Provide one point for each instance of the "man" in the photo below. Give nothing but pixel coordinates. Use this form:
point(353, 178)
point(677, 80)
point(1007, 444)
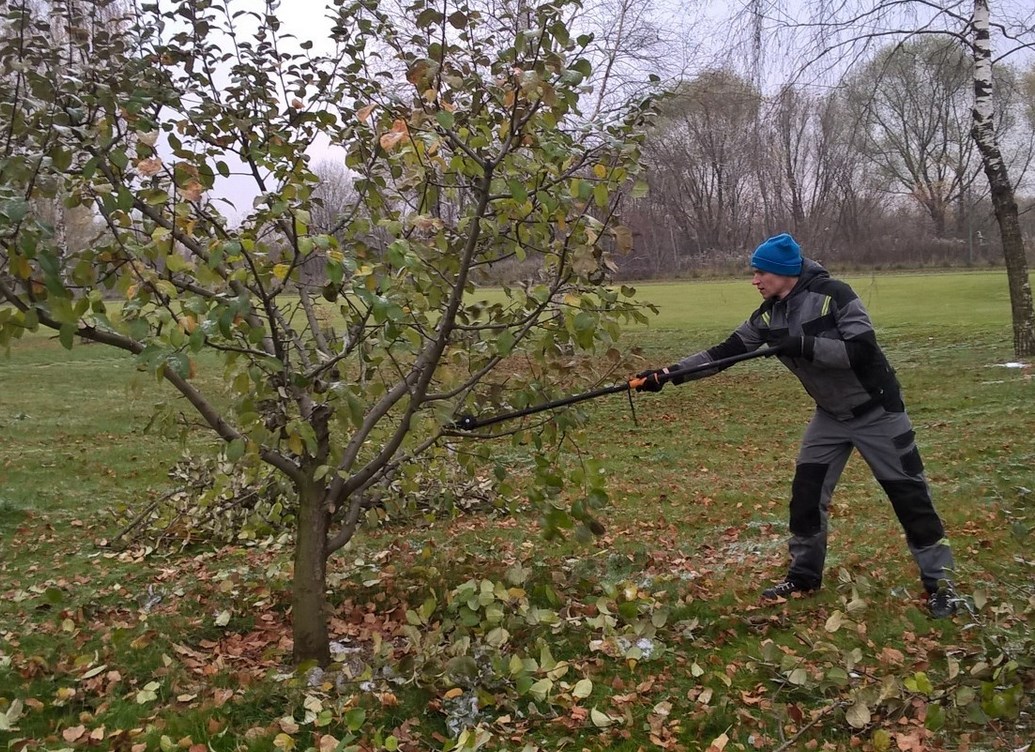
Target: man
point(819, 329)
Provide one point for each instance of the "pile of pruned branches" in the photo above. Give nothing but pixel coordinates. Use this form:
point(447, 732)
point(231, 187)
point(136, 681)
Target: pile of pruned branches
point(217, 501)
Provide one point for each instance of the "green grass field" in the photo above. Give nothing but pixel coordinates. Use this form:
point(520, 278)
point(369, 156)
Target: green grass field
point(650, 636)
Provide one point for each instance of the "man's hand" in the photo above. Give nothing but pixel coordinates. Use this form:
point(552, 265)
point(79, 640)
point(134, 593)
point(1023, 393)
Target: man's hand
point(652, 380)
point(797, 347)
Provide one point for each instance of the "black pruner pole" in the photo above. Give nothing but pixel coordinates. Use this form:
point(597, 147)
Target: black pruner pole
point(469, 422)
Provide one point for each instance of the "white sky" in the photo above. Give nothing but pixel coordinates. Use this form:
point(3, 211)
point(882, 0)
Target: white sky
point(705, 24)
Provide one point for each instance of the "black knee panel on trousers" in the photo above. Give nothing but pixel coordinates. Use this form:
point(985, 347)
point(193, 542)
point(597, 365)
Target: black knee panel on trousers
point(806, 493)
point(915, 511)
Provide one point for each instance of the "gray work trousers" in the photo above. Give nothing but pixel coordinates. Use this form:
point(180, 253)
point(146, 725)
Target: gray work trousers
point(886, 441)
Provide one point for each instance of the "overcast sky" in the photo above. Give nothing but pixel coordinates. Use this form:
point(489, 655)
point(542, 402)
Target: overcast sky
point(710, 35)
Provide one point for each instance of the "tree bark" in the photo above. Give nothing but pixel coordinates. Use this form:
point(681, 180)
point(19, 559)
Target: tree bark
point(1003, 199)
point(309, 600)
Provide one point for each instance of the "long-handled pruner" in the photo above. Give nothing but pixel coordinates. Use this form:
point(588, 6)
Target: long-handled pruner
point(469, 422)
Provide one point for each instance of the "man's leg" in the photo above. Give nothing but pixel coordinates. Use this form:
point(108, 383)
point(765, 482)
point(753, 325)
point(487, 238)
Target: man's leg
point(824, 451)
point(887, 443)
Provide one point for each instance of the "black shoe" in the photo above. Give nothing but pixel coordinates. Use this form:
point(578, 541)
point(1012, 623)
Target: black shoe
point(943, 602)
point(784, 590)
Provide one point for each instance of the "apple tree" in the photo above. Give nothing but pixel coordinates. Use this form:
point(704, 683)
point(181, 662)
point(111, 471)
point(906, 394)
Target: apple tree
point(335, 355)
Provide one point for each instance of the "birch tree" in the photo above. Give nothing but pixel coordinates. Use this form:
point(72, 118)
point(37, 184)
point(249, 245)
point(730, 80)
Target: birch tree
point(1002, 190)
point(836, 36)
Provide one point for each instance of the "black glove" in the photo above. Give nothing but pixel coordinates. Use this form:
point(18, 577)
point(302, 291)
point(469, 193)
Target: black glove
point(652, 380)
point(797, 347)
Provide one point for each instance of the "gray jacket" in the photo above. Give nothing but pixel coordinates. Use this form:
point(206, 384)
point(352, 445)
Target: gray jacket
point(847, 374)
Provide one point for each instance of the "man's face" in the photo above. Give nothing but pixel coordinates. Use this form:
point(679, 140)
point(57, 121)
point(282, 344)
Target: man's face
point(771, 285)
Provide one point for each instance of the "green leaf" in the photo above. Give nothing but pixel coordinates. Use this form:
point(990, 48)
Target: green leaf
point(518, 191)
point(355, 718)
point(14, 210)
point(235, 450)
point(66, 335)
point(583, 66)
point(505, 342)
point(445, 119)
point(935, 719)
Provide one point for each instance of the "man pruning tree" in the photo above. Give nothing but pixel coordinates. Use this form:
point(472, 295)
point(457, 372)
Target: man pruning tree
point(820, 330)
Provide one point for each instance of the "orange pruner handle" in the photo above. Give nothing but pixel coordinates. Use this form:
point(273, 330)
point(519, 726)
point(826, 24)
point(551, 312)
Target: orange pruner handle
point(637, 382)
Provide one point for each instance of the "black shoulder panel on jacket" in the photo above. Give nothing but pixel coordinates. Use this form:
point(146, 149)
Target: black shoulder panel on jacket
point(841, 292)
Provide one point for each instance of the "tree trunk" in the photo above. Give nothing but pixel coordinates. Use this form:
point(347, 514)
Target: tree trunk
point(309, 600)
point(983, 132)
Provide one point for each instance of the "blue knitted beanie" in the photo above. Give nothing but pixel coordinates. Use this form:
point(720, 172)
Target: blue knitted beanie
point(779, 254)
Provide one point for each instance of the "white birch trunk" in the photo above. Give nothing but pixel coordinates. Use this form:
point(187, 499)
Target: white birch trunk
point(1003, 200)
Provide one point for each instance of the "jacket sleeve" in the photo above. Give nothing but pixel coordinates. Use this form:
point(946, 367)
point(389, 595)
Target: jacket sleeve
point(852, 343)
point(745, 338)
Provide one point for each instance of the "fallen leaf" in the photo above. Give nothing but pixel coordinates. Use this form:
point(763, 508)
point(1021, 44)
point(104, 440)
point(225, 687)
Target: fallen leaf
point(858, 716)
point(288, 725)
point(583, 689)
point(719, 743)
point(600, 720)
point(834, 622)
point(73, 733)
point(891, 656)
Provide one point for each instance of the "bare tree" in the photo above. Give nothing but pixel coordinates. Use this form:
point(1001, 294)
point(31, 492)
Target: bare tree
point(913, 103)
point(701, 157)
point(842, 33)
point(812, 174)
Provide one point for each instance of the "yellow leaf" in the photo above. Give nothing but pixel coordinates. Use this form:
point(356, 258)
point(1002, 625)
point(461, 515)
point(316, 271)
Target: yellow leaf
point(280, 271)
point(397, 134)
point(149, 166)
point(600, 171)
point(834, 622)
point(390, 140)
point(583, 689)
point(600, 720)
point(623, 238)
point(363, 113)
point(283, 741)
point(192, 190)
point(881, 740)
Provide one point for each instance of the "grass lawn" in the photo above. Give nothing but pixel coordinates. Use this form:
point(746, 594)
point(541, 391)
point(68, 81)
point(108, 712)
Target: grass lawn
point(649, 636)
